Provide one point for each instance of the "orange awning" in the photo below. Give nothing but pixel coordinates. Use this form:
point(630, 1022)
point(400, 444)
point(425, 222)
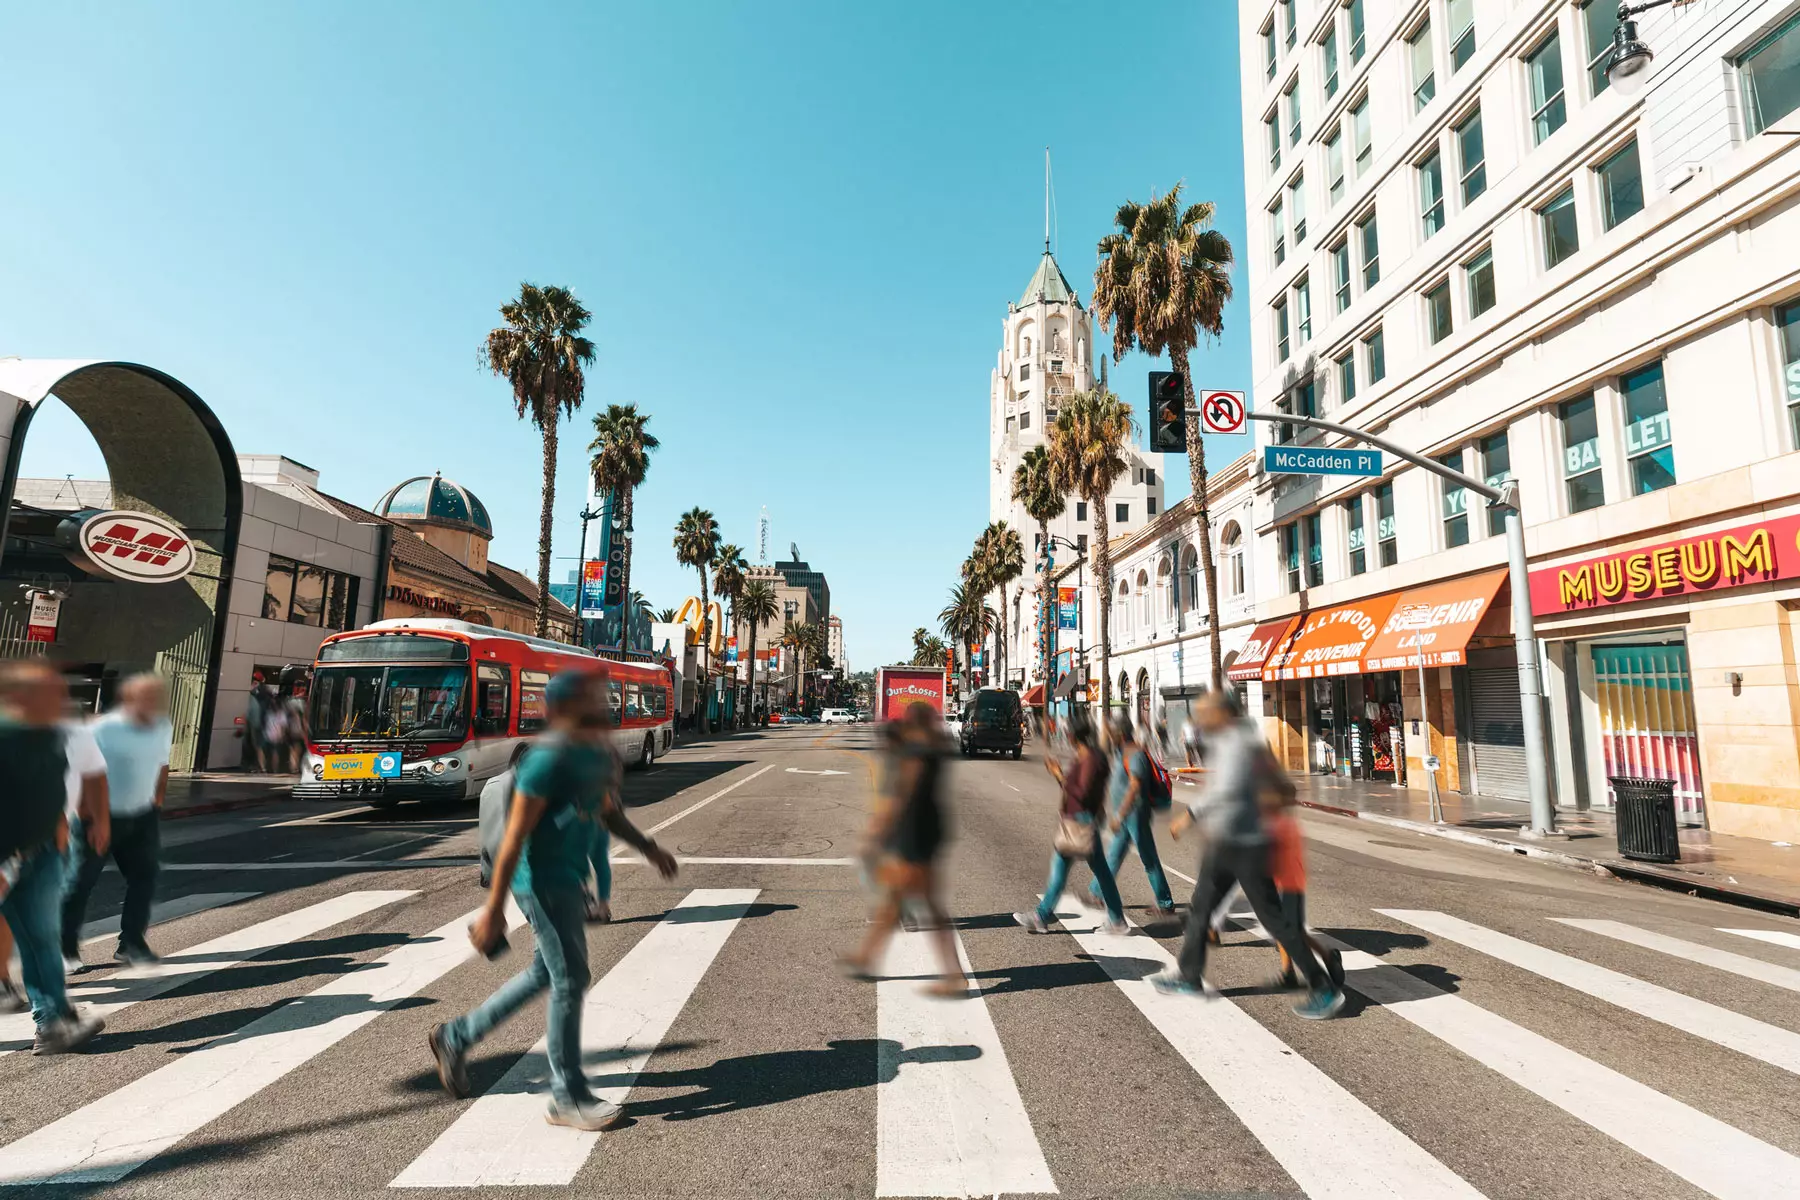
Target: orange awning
point(1331, 641)
point(1262, 643)
point(1435, 622)
point(1034, 697)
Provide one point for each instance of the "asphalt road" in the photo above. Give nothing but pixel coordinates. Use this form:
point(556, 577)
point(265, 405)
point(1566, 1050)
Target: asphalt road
point(1490, 1048)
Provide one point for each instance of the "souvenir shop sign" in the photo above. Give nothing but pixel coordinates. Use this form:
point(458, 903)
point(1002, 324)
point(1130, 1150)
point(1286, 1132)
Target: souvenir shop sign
point(1727, 558)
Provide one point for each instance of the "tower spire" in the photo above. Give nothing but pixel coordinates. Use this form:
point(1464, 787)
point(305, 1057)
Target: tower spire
point(1046, 199)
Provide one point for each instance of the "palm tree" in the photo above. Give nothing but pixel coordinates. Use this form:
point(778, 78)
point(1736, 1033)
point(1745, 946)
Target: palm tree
point(639, 607)
point(976, 569)
point(1034, 486)
point(728, 566)
point(928, 651)
point(967, 619)
point(619, 458)
point(1163, 280)
point(1087, 454)
point(756, 604)
point(696, 541)
point(541, 353)
point(1003, 562)
point(791, 640)
point(666, 616)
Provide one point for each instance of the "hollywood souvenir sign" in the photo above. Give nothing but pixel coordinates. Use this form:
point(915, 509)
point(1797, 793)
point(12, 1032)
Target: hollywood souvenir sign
point(1727, 558)
point(133, 546)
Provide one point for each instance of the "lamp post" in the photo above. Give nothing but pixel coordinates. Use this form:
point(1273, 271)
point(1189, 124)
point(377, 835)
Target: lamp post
point(1628, 62)
point(587, 514)
point(1080, 624)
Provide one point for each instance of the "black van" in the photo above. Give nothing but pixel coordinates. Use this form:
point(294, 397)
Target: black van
point(994, 720)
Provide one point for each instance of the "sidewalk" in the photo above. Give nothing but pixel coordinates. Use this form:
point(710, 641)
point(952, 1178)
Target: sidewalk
point(1738, 870)
point(194, 794)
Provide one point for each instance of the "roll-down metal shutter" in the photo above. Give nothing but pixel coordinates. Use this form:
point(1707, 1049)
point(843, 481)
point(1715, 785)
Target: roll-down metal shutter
point(1497, 733)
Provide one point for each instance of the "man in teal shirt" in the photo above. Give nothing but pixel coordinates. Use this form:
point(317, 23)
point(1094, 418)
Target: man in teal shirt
point(565, 789)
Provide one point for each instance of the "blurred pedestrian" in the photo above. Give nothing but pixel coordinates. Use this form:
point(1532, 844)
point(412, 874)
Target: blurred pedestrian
point(33, 834)
point(905, 837)
point(1287, 871)
point(565, 788)
point(1077, 835)
point(1243, 782)
point(134, 742)
point(293, 708)
point(256, 722)
point(89, 813)
point(1137, 788)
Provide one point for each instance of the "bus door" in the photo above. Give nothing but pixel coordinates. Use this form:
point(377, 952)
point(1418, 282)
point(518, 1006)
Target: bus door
point(491, 746)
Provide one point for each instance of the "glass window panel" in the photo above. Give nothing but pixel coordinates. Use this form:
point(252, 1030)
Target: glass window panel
point(1621, 185)
point(1787, 320)
point(1544, 68)
point(1471, 156)
point(1480, 273)
point(1281, 329)
point(1292, 96)
point(1356, 539)
point(1306, 398)
point(1358, 31)
point(1328, 54)
point(1438, 324)
point(1496, 469)
point(1431, 193)
point(1557, 219)
point(1581, 453)
point(1648, 443)
point(1303, 310)
point(1278, 232)
point(1290, 556)
point(1346, 373)
point(1771, 77)
point(1287, 21)
point(278, 588)
point(1424, 80)
point(1387, 529)
point(1461, 19)
point(1371, 251)
point(1273, 125)
point(1376, 350)
point(1340, 275)
point(1362, 138)
point(1297, 208)
point(1598, 18)
point(1334, 166)
point(308, 607)
point(1315, 550)
point(1268, 36)
point(1455, 501)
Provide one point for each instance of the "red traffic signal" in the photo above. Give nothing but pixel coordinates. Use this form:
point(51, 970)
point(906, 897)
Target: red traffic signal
point(1168, 412)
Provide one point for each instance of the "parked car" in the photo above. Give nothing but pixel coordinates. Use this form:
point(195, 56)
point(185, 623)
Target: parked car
point(994, 721)
point(837, 716)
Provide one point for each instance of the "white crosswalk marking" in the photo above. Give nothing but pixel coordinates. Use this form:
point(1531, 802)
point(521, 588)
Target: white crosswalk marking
point(1333, 1145)
point(166, 910)
point(1767, 1043)
point(107, 994)
point(110, 1138)
point(950, 1118)
point(1775, 937)
point(502, 1138)
point(1706, 1152)
point(1724, 960)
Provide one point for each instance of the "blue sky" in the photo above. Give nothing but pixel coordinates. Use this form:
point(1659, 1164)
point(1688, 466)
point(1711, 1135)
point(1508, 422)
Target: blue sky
point(798, 227)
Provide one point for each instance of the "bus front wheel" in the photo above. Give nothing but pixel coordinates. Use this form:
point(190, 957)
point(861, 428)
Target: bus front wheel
point(647, 756)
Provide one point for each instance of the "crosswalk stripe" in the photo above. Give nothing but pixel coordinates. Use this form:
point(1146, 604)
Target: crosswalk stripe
point(110, 1138)
point(1724, 960)
point(104, 995)
point(502, 1138)
point(1333, 1145)
point(1775, 937)
point(1711, 1155)
point(1764, 1042)
point(950, 1120)
point(165, 910)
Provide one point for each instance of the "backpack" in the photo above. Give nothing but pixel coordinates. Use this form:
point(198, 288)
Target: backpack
point(1161, 790)
point(32, 788)
point(495, 807)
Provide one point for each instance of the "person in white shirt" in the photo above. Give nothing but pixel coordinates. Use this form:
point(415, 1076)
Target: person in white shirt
point(89, 816)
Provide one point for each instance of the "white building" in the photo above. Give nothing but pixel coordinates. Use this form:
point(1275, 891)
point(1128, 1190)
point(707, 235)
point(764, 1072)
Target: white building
point(1046, 356)
point(1463, 238)
point(834, 646)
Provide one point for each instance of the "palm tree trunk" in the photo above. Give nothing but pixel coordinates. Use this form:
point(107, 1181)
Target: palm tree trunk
point(1004, 637)
point(624, 515)
point(752, 688)
point(1103, 569)
point(1196, 455)
point(546, 526)
point(705, 656)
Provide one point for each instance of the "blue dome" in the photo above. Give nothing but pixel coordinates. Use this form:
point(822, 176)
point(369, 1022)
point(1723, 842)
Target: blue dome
point(438, 501)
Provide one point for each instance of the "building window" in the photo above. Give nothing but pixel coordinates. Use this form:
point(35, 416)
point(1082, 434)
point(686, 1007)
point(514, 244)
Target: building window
point(1438, 324)
point(1081, 543)
point(1788, 321)
point(1278, 231)
point(1549, 109)
point(1190, 576)
point(1648, 446)
point(1150, 476)
point(1479, 272)
point(1290, 555)
point(1273, 124)
point(1455, 503)
point(1581, 453)
point(1371, 250)
point(1024, 372)
point(1305, 402)
point(1599, 18)
point(1233, 544)
point(1297, 209)
point(1358, 34)
point(1346, 377)
point(1557, 220)
point(299, 593)
point(1424, 78)
point(1431, 194)
point(1461, 19)
point(1328, 58)
point(1165, 583)
point(1357, 540)
point(1281, 330)
point(1150, 506)
point(1025, 419)
point(1081, 510)
point(1303, 309)
point(1122, 610)
point(1340, 275)
point(1387, 530)
point(1471, 157)
point(1146, 603)
point(1012, 423)
point(1375, 352)
point(1621, 185)
point(1496, 469)
point(1268, 38)
point(1287, 21)
point(1771, 77)
point(1315, 550)
point(1121, 513)
point(1362, 138)
point(1292, 99)
point(1334, 166)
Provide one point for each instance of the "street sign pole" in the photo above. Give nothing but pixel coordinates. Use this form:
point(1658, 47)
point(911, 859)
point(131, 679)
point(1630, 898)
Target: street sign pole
point(1531, 686)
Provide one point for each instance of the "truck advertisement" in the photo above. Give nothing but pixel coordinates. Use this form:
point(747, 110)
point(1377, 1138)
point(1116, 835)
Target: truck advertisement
point(898, 687)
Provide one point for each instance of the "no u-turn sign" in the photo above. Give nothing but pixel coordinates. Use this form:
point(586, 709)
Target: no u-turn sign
point(1222, 412)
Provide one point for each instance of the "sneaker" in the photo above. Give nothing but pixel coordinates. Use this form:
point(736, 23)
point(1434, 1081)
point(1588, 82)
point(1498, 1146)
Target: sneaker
point(592, 1114)
point(1118, 928)
point(1165, 910)
point(136, 956)
point(599, 912)
point(66, 1033)
point(11, 999)
point(1286, 981)
point(1171, 983)
point(1031, 921)
point(1321, 1004)
point(452, 1072)
point(73, 965)
point(1334, 966)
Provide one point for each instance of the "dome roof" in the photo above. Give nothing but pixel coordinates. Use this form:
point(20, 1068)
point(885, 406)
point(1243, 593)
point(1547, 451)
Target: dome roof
point(435, 500)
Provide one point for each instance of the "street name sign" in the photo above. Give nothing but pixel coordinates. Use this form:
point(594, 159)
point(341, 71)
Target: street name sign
point(1302, 460)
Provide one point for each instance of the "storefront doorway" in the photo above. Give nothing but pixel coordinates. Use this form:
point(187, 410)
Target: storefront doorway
point(1644, 704)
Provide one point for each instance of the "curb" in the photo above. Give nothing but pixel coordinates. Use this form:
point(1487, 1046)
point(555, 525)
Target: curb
point(219, 806)
point(1635, 872)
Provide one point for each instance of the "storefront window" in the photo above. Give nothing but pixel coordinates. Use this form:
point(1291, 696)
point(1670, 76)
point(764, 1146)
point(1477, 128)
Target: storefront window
point(1387, 530)
point(1581, 454)
point(1353, 521)
point(308, 607)
point(1455, 503)
point(1648, 445)
point(1788, 321)
point(278, 588)
point(1315, 551)
point(1496, 469)
point(1290, 555)
point(302, 594)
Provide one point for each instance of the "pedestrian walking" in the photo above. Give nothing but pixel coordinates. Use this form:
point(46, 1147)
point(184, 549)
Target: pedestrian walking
point(1287, 871)
point(565, 787)
point(134, 743)
point(905, 837)
point(1077, 835)
point(33, 834)
point(1243, 780)
point(1136, 789)
point(256, 722)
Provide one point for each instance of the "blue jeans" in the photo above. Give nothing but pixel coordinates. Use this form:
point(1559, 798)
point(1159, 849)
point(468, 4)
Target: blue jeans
point(602, 860)
point(1103, 877)
point(558, 919)
point(33, 908)
point(1139, 829)
point(136, 847)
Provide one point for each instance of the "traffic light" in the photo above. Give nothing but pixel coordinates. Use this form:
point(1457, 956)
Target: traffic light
point(1168, 412)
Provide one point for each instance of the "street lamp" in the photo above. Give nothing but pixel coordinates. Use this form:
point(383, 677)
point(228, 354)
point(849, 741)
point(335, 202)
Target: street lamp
point(1628, 62)
point(1080, 625)
point(587, 514)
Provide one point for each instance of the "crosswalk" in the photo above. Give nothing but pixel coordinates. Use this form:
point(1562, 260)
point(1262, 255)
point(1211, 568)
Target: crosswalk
point(951, 1118)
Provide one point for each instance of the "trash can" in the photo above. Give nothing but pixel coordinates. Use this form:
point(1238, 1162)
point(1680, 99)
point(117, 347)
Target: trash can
point(1646, 818)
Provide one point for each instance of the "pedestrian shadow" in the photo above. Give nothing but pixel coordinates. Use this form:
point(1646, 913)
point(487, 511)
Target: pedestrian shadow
point(215, 1029)
point(485, 1073)
point(1378, 942)
point(700, 914)
point(999, 920)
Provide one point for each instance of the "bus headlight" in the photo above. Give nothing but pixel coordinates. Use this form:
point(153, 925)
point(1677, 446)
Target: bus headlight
point(437, 768)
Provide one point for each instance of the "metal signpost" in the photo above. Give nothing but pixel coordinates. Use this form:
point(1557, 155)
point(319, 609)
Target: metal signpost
point(1418, 616)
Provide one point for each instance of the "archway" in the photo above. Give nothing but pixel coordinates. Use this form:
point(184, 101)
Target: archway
point(1143, 703)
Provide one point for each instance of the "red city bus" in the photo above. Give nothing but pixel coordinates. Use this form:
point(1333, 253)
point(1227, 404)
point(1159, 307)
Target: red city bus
point(427, 708)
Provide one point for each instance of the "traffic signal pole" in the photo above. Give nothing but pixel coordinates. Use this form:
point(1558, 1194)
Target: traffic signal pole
point(1531, 686)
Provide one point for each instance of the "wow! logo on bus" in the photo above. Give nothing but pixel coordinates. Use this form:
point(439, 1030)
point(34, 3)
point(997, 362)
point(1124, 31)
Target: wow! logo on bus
point(383, 765)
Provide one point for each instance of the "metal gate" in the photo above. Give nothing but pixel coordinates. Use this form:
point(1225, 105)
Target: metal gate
point(14, 617)
point(1497, 734)
point(1646, 709)
point(183, 668)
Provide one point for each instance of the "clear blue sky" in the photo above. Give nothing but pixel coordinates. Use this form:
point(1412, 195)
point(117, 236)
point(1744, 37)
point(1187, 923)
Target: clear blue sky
point(798, 226)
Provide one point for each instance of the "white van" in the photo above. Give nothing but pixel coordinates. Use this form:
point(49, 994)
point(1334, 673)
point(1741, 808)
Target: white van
point(837, 716)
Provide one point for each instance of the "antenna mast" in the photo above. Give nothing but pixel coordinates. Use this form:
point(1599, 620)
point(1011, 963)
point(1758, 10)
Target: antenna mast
point(1046, 199)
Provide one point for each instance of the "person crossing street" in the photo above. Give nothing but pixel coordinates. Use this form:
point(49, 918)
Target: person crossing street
point(1083, 784)
point(1135, 792)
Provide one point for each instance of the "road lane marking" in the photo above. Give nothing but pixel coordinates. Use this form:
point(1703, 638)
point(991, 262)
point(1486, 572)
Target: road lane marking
point(798, 771)
point(632, 860)
point(502, 1138)
point(166, 910)
point(1775, 937)
point(335, 864)
point(1333, 1145)
point(1724, 960)
point(115, 1135)
point(1757, 1039)
point(698, 805)
point(107, 994)
point(1708, 1153)
point(950, 1120)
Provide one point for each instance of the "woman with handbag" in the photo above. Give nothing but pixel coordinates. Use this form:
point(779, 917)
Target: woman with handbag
point(1077, 833)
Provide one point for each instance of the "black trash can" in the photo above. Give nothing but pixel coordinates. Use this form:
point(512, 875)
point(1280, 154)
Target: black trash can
point(1646, 818)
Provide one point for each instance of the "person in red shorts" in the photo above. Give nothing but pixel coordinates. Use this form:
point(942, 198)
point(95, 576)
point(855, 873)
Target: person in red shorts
point(1287, 869)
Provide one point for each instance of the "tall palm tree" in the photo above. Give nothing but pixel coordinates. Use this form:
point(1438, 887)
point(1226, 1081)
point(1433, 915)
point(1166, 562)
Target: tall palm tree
point(696, 541)
point(540, 352)
point(928, 651)
point(977, 568)
point(666, 615)
point(1034, 486)
point(728, 566)
point(1163, 280)
point(1003, 561)
point(812, 648)
point(618, 459)
point(967, 620)
point(1087, 454)
point(756, 604)
point(792, 637)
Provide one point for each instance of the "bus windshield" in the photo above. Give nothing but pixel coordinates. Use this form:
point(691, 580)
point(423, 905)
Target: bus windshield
point(425, 702)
